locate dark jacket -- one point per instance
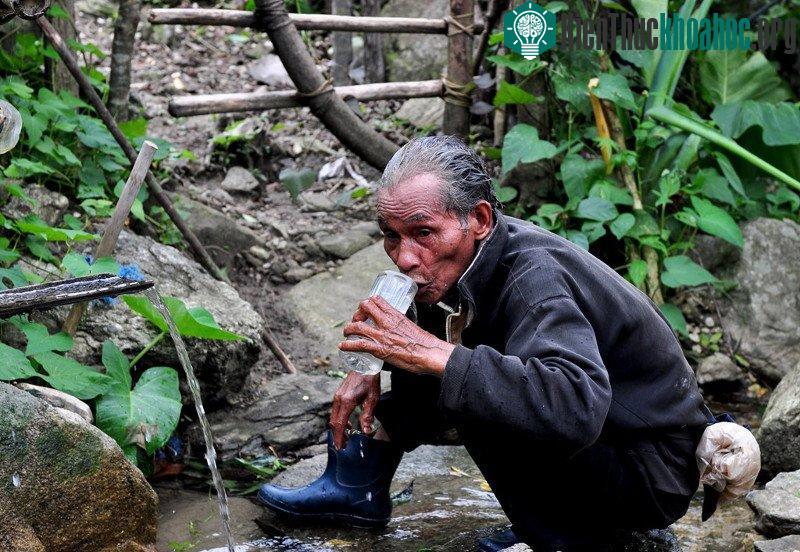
(558, 347)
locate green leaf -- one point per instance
(39, 338)
(717, 221)
(578, 238)
(728, 76)
(682, 271)
(730, 173)
(34, 126)
(614, 87)
(135, 128)
(196, 322)
(579, 174)
(511, 94)
(597, 208)
(620, 226)
(116, 363)
(593, 231)
(637, 271)
(675, 317)
(611, 192)
(505, 193)
(76, 265)
(779, 123)
(32, 224)
(517, 63)
(38, 247)
(14, 364)
(713, 186)
(522, 145)
(296, 182)
(150, 411)
(25, 167)
(72, 377)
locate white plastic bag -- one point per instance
(729, 459)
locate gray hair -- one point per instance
(465, 181)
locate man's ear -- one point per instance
(482, 215)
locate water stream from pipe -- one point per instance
(194, 387)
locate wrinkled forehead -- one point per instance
(411, 200)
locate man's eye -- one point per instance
(424, 232)
(390, 235)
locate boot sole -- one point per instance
(338, 519)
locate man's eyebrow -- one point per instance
(417, 217)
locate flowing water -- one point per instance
(194, 387)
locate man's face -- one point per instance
(431, 246)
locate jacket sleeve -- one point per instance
(551, 383)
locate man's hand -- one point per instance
(396, 339)
(356, 389)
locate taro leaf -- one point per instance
(682, 271)
(614, 87)
(620, 225)
(149, 411)
(578, 175)
(296, 182)
(728, 76)
(195, 322)
(508, 93)
(675, 317)
(72, 377)
(650, 9)
(39, 339)
(32, 224)
(779, 123)
(597, 208)
(637, 271)
(14, 364)
(522, 145)
(716, 221)
(77, 265)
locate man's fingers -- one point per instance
(362, 346)
(368, 411)
(361, 328)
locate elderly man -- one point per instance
(563, 381)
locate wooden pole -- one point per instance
(202, 104)
(496, 9)
(374, 69)
(109, 240)
(459, 67)
(303, 22)
(342, 46)
(89, 92)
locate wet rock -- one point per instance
(345, 244)
(221, 366)
(293, 413)
(518, 548)
(239, 179)
(317, 201)
(763, 313)
(654, 540)
(718, 372)
(65, 485)
(297, 274)
(224, 237)
(59, 399)
(730, 528)
(46, 204)
(269, 70)
(790, 543)
(323, 302)
(779, 436)
(422, 112)
(415, 57)
(777, 506)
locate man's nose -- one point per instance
(407, 259)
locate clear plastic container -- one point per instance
(398, 290)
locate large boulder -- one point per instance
(221, 366)
(779, 436)
(412, 57)
(65, 485)
(763, 313)
(777, 505)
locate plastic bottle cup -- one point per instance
(398, 290)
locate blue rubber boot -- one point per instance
(354, 489)
(498, 541)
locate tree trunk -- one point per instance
(122, 49)
(459, 68)
(374, 68)
(342, 46)
(56, 73)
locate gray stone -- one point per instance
(269, 70)
(789, 543)
(422, 112)
(297, 274)
(317, 201)
(763, 313)
(221, 366)
(224, 237)
(292, 414)
(325, 301)
(59, 399)
(521, 547)
(779, 435)
(712, 252)
(239, 179)
(777, 505)
(66, 485)
(415, 57)
(368, 226)
(345, 244)
(719, 372)
(48, 205)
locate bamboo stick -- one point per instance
(203, 104)
(109, 240)
(304, 21)
(459, 68)
(91, 95)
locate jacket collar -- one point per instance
(479, 273)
